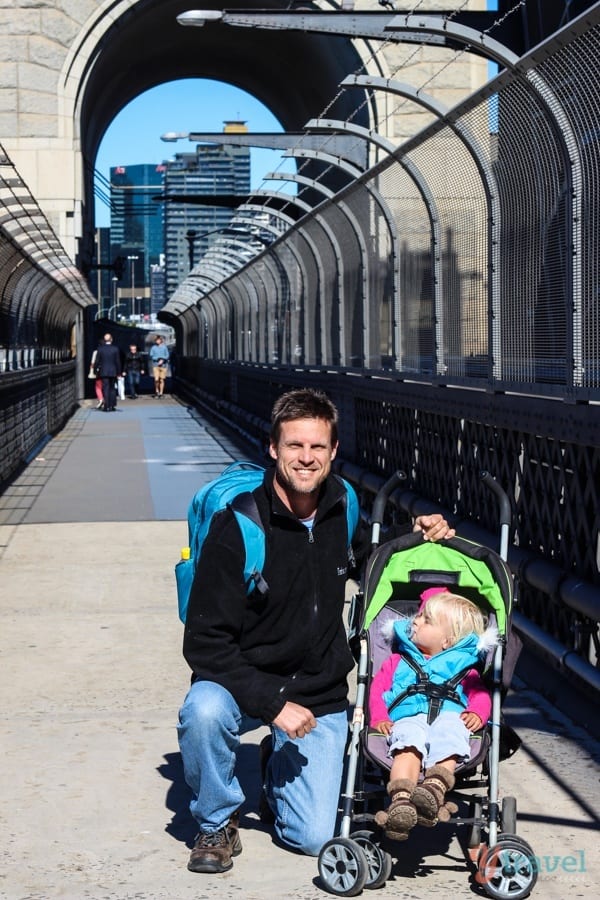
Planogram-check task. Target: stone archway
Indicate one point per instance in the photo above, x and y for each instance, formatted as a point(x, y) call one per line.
point(87, 70)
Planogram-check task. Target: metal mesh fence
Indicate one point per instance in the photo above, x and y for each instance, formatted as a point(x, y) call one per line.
point(469, 255)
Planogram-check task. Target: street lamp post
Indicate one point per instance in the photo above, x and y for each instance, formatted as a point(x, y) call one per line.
point(190, 237)
point(132, 261)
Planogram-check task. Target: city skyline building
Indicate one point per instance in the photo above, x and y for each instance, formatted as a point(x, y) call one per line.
point(158, 292)
point(159, 242)
point(136, 222)
point(190, 228)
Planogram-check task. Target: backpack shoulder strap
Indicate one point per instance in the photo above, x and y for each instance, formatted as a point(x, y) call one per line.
point(248, 518)
point(352, 507)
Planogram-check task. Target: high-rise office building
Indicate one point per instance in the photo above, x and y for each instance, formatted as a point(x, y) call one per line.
point(136, 228)
point(190, 228)
point(158, 290)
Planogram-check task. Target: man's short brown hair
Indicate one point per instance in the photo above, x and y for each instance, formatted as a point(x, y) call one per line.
point(303, 403)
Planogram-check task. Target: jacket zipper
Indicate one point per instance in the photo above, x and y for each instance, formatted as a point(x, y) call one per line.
point(315, 604)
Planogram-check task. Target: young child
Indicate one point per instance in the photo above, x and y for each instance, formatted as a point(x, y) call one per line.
point(446, 638)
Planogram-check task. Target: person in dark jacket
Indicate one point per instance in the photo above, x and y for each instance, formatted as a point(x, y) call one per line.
point(108, 366)
point(134, 369)
point(279, 658)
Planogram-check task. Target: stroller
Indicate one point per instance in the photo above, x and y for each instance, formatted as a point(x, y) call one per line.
point(396, 574)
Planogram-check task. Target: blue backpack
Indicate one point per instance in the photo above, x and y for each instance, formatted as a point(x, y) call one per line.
point(233, 488)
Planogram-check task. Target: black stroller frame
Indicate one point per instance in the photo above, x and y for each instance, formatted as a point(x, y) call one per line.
point(505, 863)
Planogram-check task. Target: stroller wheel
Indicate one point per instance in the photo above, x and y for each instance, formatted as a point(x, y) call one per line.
point(343, 867)
point(508, 870)
point(379, 862)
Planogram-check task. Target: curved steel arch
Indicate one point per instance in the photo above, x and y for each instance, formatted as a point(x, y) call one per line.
point(300, 179)
point(294, 231)
point(296, 302)
point(428, 29)
point(212, 266)
point(336, 250)
point(569, 149)
point(489, 183)
point(246, 297)
point(252, 275)
point(329, 194)
point(259, 270)
point(233, 261)
point(430, 205)
point(329, 126)
point(367, 25)
point(358, 232)
point(355, 173)
point(211, 303)
point(264, 226)
point(219, 253)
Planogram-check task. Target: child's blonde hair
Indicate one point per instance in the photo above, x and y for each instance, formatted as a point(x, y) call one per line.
point(459, 615)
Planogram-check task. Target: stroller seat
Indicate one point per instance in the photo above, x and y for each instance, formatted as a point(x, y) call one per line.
point(396, 575)
point(375, 749)
point(375, 743)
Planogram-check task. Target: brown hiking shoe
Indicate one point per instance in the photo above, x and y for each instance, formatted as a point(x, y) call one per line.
point(212, 852)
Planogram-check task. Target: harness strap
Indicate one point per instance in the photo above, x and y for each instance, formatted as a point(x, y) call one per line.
point(435, 693)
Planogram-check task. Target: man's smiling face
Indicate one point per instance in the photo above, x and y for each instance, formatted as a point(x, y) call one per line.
point(303, 455)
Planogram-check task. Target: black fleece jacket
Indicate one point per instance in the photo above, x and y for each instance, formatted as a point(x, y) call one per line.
point(289, 644)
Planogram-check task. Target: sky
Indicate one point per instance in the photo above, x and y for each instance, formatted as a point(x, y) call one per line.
point(191, 104)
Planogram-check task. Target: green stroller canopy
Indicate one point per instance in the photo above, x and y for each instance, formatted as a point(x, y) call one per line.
point(457, 571)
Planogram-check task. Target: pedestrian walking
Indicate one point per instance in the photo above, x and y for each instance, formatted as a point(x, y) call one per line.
point(159, 357)
point(108, 367)
point(133, 371)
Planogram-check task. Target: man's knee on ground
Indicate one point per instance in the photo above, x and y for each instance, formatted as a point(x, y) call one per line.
point(310, 842)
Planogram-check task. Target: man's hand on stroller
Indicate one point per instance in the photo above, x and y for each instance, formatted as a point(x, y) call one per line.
point(434, 527)
point(295, 720)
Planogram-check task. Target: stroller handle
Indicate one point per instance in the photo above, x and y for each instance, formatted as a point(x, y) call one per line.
point(505, 511)
point(380, 503)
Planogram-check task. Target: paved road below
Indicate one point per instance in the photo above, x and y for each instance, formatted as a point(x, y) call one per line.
point(91, 677)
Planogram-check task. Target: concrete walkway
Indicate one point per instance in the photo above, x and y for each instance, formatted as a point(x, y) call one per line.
point(91, 677)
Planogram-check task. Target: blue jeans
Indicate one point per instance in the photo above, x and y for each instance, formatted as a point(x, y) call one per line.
point(303, 775)
point(133, 381)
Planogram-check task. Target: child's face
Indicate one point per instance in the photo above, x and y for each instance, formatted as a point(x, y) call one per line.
point(430, 637)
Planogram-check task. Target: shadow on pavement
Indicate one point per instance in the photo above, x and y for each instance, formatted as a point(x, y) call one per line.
point(182, 826)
